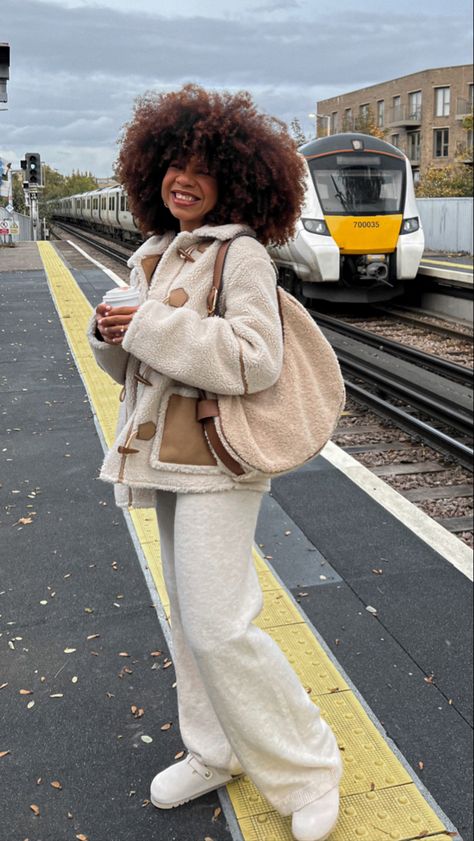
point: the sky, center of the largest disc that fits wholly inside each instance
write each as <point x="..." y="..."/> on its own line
<point x="77" y="66"/>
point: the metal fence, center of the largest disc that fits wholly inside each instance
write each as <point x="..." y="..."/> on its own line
<point x="447" y="223"/>
<point x="23" y="227"/>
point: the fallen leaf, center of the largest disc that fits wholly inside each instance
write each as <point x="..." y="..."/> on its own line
<point x="147" y="739"/>
<point x="69" y="650"/>
<point x="303" y="594"/>
<point x="153" y="654"/>
<point x="167" y="726"/>
<point x="88" y="610"/>
<point x="93" y="636"/>
<point x="26" y="692"/>
<point x="167" y="664"/>
<point x="287" y="533"/>
<point x="124" y="654"/>
<point x="429" y="679"/>
<point x="421" y="765"/>
<point x="56" y="784"/>
<point x="4" y="753"/>
<point x="30" y="705"/>
<point x="179" y="755"/>
<point x="34" y="808"/>
<point x="137" y="712"/>
<point x="3" y="685"/>
<point x="82" y="837"/>
<point x="216" y="814"/>
<point x="57" y="695"/>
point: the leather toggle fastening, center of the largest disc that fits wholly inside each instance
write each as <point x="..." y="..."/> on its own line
<point x="126" y="451"/>
<point x="184" y="253"/>
<point x="140" y="378"/>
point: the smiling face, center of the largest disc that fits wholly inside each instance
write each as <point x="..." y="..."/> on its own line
<point x="190" y="192"/>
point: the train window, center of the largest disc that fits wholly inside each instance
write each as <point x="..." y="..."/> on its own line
<point x="95" y="204"/>
<point x="111" y="202"/>
<point x="348" y="184"/>
<point x="88" y="204"/>
<point x="122" y="202"/>
<point x="103" y="203"/>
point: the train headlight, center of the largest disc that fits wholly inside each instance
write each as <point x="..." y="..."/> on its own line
<point x="410" y="225"/>
<point x="316" y="226"/>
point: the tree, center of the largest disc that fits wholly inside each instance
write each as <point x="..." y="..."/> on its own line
<point x="441" y="181"/>
<point x="365" y="124"/>
<point x="297" y="132"/>
<point x="56" y="186"/>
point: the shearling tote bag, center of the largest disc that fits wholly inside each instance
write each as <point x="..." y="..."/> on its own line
<point x="286" y="425"/>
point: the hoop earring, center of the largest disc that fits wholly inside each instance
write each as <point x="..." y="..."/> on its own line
<point x="165" y="204"/>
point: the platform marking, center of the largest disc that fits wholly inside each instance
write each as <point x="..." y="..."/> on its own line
<point x="118" y="280"/>
<point x="453" y="550"/>
<point x="466" y="266"/>
<point x="380" y="798"/>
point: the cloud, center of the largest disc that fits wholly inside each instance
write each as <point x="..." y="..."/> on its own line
<point x="76" y="70"/>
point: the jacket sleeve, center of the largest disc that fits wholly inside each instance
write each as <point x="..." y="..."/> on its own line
<point x="111" y="358"/>
<point x="238" y="354"/>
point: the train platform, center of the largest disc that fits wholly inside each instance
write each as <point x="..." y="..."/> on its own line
<point x="455" y="269"/>
<point x="368" y="598"/>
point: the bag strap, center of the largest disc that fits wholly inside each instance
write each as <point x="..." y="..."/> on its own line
<point x="213" y="297"/>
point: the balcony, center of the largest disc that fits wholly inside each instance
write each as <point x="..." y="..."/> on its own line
<point x="404" y="116"/>
<point x="464" y="108"/>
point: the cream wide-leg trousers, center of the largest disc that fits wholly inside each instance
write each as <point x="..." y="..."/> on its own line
<point x="241" y="705"/>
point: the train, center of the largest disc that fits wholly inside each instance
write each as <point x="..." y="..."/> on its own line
<point x="359" y="238"/>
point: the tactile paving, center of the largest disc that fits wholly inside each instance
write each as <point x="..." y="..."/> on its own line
<point x="379" y="802"/>
<point x="369" y="764"/>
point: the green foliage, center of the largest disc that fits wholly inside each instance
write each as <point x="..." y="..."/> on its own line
<point x="443" y="181"/>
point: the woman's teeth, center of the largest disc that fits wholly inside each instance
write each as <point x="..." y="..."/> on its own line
<point x="185" y="197"/>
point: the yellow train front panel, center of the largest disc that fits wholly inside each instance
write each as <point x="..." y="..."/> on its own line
<point x="365" y="234"/>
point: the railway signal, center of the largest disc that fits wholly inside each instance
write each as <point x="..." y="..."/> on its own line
<point x="33" y="169"/>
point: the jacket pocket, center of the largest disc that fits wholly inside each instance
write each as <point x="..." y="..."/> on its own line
<point x="182" y="440"/>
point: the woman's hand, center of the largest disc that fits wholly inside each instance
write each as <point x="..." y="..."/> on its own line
<point x="113" y="322"/>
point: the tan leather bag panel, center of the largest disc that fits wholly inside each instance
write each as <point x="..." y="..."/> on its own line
<point x="183" y="440"/>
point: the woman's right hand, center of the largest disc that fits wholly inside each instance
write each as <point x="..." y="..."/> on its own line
<point x="112" y="322"/>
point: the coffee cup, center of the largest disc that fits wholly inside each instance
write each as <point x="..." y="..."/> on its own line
<point x="121" y="296"/>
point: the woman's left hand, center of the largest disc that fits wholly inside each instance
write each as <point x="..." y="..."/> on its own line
<point x="115" y="324"/>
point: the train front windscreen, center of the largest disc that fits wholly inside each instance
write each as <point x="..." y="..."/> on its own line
<point x="351" y="184"/>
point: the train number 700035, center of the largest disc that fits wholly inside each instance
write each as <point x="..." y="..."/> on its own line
<point x="366" y="224"/>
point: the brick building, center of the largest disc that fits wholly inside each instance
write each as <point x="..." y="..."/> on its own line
<point x="421" y="113"/>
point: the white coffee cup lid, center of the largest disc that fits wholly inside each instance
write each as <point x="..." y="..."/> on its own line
<point x="119" y="296"/>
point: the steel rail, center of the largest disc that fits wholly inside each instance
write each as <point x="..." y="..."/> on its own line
<point x="110" y="252"/>
<point x="410" y="354"/>
<point x="444" y="412"/>
<point x="436" y="438"/>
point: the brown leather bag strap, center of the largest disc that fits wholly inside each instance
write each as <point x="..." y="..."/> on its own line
<point x="213" y="297"/>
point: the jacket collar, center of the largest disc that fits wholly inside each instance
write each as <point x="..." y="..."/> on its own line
<point x="157" y="245"/>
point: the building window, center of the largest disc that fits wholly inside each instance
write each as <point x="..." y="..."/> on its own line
<point x="470" y="96"/>
<point x="469" y="140"/>
<point x="333" y="122"/>
<point x="380" y="113"/>
<point x="442" y="102"/>
<point x="397" y="107"/>
<point x="414" y="105"/>
<point x="414" y="146"/>
<point x="347" y="124"/>
<point x="364" y="111"/>
<point x="396" y="140"/>
<point x="441" y="143"/>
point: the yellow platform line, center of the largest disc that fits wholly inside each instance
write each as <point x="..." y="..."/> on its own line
<point x="380" y="801"/>
<point x="465" y="266"/>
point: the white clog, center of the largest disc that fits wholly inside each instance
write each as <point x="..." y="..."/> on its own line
<point x="185" y="781"/>
<point x="318" y="819"/>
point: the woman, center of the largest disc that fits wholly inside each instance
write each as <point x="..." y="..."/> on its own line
<point x="199" y="169"/>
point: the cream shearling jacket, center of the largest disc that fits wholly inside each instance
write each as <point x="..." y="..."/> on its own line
<point x="171" y="347"/>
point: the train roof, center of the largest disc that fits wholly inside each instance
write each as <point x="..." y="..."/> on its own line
<point x="344" y="142"/>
